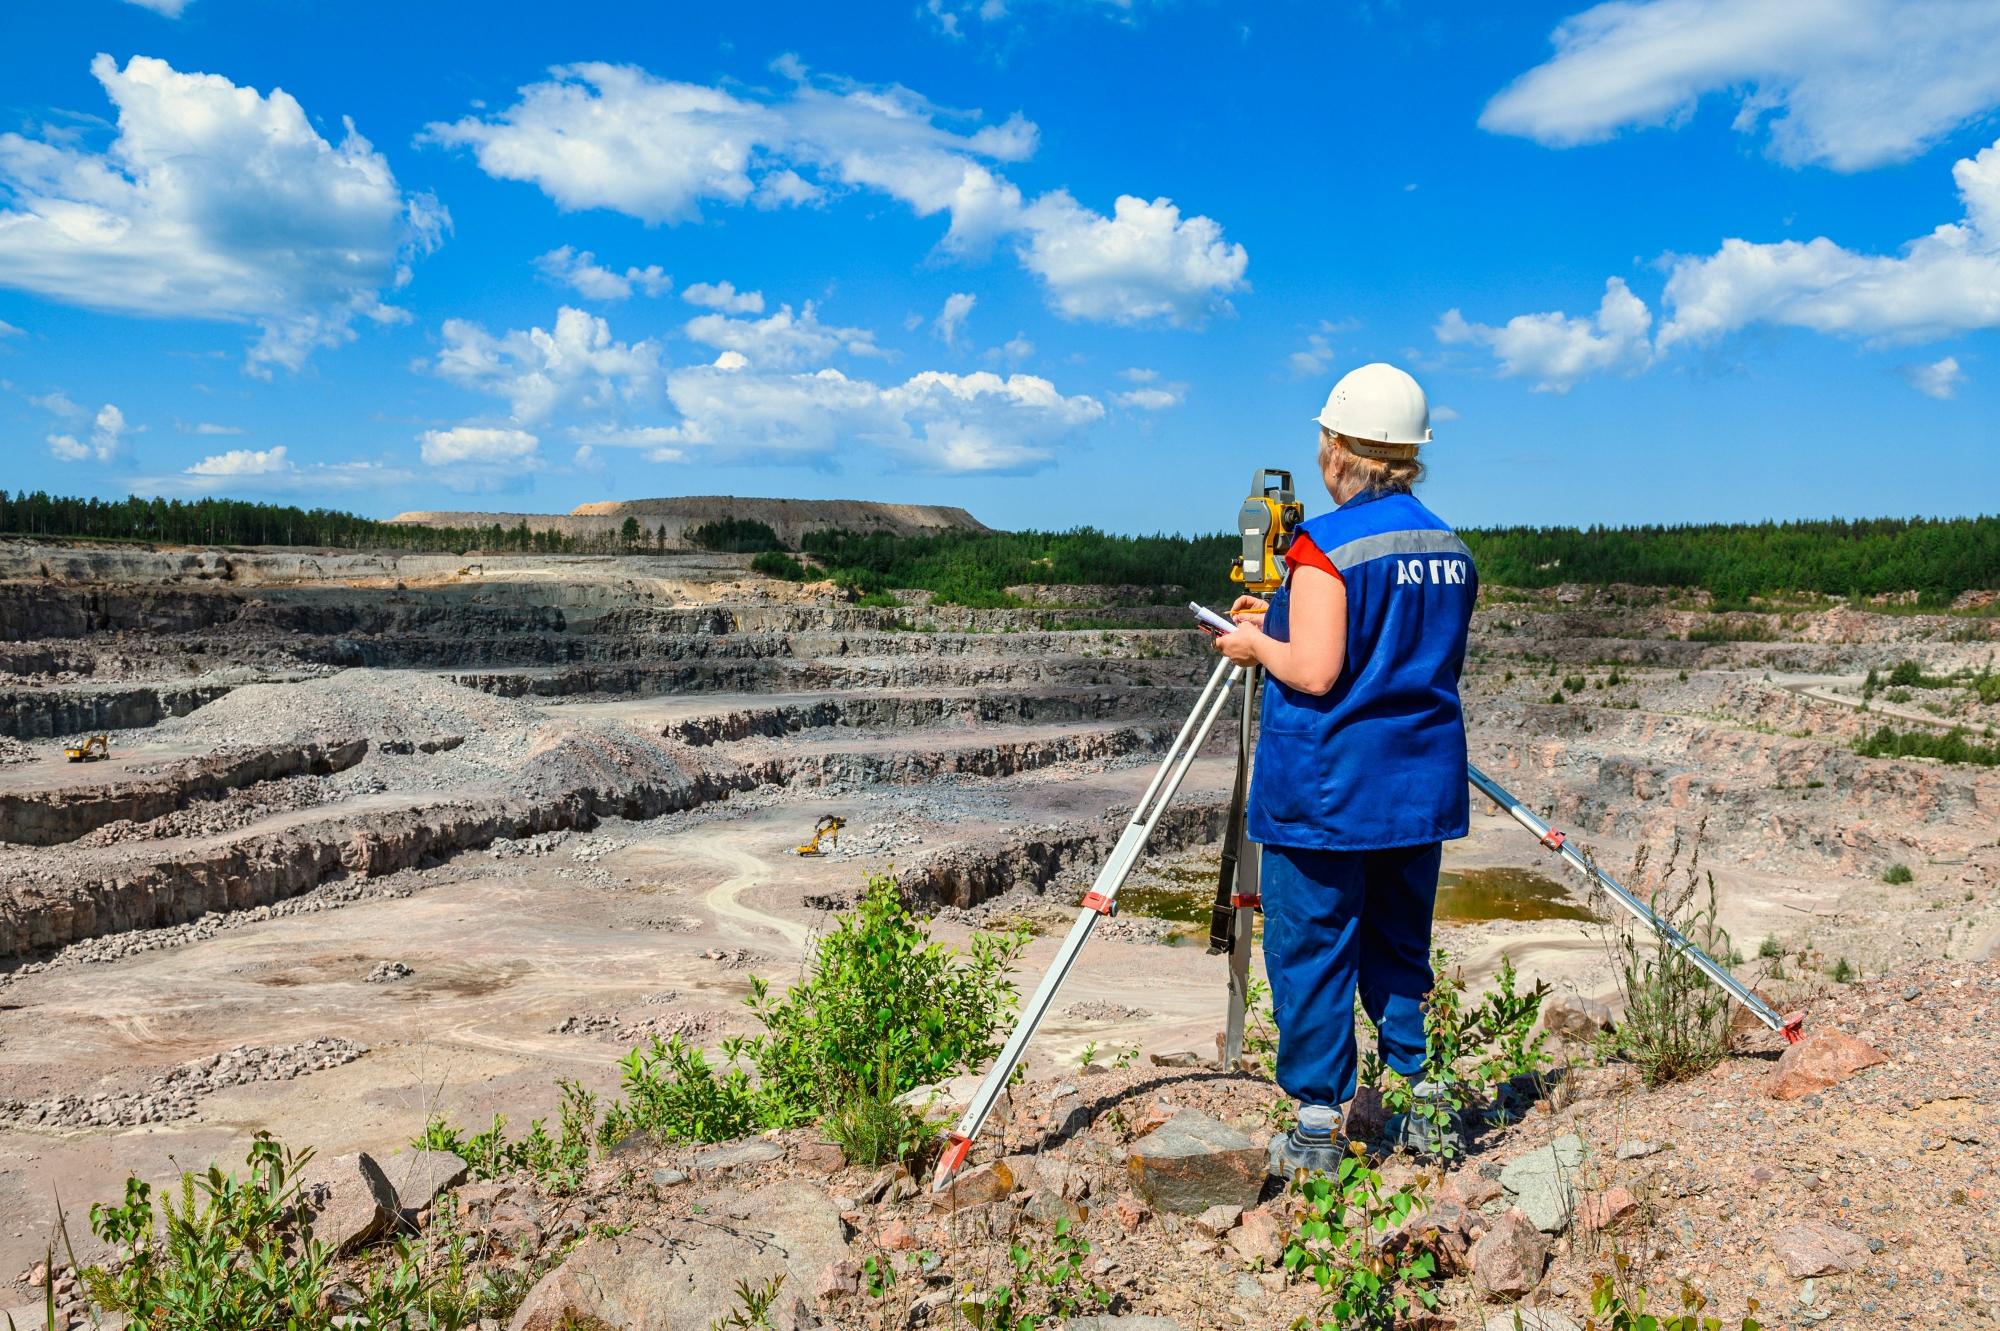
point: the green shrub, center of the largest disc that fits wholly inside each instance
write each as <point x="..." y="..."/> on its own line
<point x="1897" y="874"/>
<point x="1676" y="1021"/>
<point x="1504" y="1026"/>
<point x="1843" y="972"/>
<point x="671" y="1091"/>
<point x="1338" y="1245"/>
<point x="777" y="564"/>
<point x="880" y="990"/>
<point x="1770" y="947"/>
<point x="742" y="536"/>
<point x="237" y="1253"/>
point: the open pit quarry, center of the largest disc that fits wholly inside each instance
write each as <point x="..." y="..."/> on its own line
<point x="383" y="838"/>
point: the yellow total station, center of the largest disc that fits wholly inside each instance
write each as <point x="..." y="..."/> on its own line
<point x="1267" y="520"/>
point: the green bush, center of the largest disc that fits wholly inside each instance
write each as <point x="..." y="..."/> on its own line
<point x="1676" y="1022"/>
<point x="883" y="1010"/>
<point x="672" y="1091"/>
<point x="1843" y="972"/>
<point x="880" y="990"/>
<point x="1507" y="1043"/>
<point x="238" y="1254"/>
<point x="777" y="564"/>
<point x="1338" y="1244"/>
<point x="741" y="536"/>
<point x="1897" y="874"/>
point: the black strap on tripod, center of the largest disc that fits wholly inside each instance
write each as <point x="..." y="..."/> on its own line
<point x="1222" y="915"/>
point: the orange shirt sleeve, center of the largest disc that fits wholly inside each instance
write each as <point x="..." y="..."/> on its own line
<point x="1304" y="554"/>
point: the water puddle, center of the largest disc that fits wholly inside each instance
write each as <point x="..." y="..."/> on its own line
<point x="1464" y="896"/>
<point x="1469" y="895"/>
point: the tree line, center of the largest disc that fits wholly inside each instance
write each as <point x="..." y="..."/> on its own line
<point x="1936" y="559"/>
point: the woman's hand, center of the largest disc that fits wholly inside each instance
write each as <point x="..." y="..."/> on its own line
<point x="1240" y="645"/>
<point x="1248" y="605"/>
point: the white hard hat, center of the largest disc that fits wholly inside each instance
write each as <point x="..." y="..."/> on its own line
<point x="1378" y="404"/>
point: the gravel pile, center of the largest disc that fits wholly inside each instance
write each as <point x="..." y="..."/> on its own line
<point x="173" y="1094"/>
<point x="691" y="1027"/>
<point x="237" y="809"/>
<point x="382" y="705"/>
<point x="387" y="972"/>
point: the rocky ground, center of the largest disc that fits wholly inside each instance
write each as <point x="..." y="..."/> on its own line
<point x="382" y="837"/>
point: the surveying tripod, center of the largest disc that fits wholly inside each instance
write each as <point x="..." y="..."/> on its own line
<point x="1266" y="518"/>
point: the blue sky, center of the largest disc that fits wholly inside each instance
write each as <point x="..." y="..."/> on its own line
<point x="1059" y="261"/>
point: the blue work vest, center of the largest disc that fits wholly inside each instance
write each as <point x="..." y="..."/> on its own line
<point x="1378" y="760"/>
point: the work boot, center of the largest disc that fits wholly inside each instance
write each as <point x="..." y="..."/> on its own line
<point x="1315" y="1145"/>
<point x="1436" y="1134"/>
<point x="1313" y="1152"/>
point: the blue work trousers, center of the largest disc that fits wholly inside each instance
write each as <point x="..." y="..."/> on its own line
<point x="1335" y="920"/>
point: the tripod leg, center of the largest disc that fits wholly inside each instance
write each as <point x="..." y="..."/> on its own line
<point x="1246" y="893"/>
<point x="1097" y="903"/>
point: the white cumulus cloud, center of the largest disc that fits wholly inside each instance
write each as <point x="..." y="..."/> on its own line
<point x="932" y="421"/>
<point x="107" y="434"/>
<point x="479" y="446"/>
<point x="217" y="202"/>
<point x="1940" y="379"/>
<point x="725" y="297"/>
<point x="1945" y="281"/>
<point x="616" y="137"/>
<point x="579" y="270"/>
<point x="243" y="462"/>
<point x="1556" y="349"/>
<point x="577" y="363"/>
<point x="1941" y="284"/>
<point x="1849" y="84"/>
<point x="781" y="340"/>
<point x="952" y="317"/>
<point x="1152" y="397"/>
<point x="272" y="471"/>
<point x="169" y="8"/>
<point x="1144" y="263"/>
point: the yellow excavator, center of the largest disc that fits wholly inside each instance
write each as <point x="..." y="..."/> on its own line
<point x="95" y="749"/>
<point x="826" y="833"/>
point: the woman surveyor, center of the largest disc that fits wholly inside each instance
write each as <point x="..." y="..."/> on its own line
<point x="1360" y="763"/>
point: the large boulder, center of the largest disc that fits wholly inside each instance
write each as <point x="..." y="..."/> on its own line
<point x="419" y="1176"/>
<point x="1192" y="1162"/>
<point x="1542" y="1184"/>
<point x="1508" y="1259"/>
<point x="349" y="1199"/>
<point x="1822" y="1059"/>
<point x="1574" y="1018"/>
<point x="683" y="1271"/>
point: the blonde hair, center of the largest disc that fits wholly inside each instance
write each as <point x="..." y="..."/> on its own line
<point x="1352" y="474"/>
